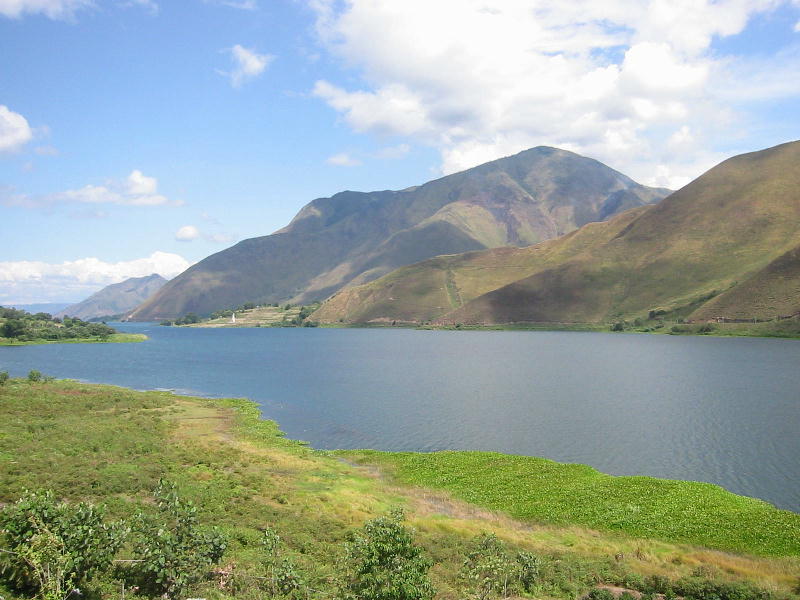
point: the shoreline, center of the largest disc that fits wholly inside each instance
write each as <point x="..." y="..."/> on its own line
<point x="541" y="490"/>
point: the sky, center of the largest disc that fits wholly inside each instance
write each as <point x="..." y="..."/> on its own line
<point x="140" y="136"/>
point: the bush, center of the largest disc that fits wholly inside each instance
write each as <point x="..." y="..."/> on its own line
<point x="173" y="550"/>
<point x="57" y="546"/>
<point x="383" y="563"/>
<point x="3" y="377"/>
<point x="489" y="569"/>
<point x="34" y="376"/>
<point x="600" y="594"/>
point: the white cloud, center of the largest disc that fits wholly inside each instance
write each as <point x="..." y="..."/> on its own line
<point x="14" y="129"/>
<point x="187" y="233"/>
<point x="34" y="281"/>
<point x="247" y="65"/>
<point x="797" y="27"/>
<point x="54" y="9"/>
<point x="137" y="189"/>
<point x="342" y="160"/>
<point x="478" y="79"/>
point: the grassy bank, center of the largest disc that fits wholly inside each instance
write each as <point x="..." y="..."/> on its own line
<point x="244" y="475"/>
<point x="114" y="338"/>
<point x="538" y="489"/>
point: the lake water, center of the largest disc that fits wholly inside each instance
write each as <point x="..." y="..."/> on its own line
<point x="722" y="410"/>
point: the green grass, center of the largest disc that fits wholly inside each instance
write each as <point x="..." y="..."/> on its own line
<point x="542" y="490"/>
<point x="114" y="338"/>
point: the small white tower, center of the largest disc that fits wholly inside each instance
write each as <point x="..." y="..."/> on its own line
<point x="233" y="317"/>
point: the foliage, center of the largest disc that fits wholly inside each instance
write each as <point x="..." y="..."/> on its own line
<point x="173" y="550"/>
<point x="23" y="326"/>
<point x="187" y="319"/>
<point x="488" y="568"/>
<point x="282" y="577"/>
<point x="56" y="545"/>
<point x="3" y="377"/>
<point x="382" y="562"/>
<point x="34" y="376"/>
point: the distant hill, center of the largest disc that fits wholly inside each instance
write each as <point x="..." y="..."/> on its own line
<point x="725" y="246"/>
<point x="355" y="237"/>
<point x="115" y="299"/>
<point x="45" y="307"/>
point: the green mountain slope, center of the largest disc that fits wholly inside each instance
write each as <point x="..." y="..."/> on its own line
<point x="116" y="299"/>
<point x="718" y="236"/>
<point x="355" y="237"/>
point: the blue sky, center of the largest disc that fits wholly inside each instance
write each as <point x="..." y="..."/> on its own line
<point x="143" y="135"/>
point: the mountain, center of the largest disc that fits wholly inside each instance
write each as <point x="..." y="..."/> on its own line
<point x="116" y="299"/>
<point x="354" y="237"/>
<point x="726" y="245"/>
<point x="45" y="307"/>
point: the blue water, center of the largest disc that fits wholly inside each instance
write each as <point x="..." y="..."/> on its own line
<point x="722" y="410"/>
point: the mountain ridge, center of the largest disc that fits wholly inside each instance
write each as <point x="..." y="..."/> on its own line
<point x="115" y="299"/>
<point x="726" y="227"/>
<point x="356" y="237"/>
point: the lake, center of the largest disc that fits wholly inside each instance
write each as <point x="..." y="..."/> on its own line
<point x="721" y="410"/>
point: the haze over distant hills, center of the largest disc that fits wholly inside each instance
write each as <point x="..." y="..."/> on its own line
<point x="355" y="237"/>
<point x="115" y="299"/>
<point x="726" y="245"/>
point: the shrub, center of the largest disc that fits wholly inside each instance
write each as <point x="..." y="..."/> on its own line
<point x="600" y="594"/>
<point x="34" y="376"/>
<point x="56" y="545"/>
<point x="3" y="377"/>
<point x="172" y="549"/>
<point x="383" y="563"/>
<point x="488" y="568"/>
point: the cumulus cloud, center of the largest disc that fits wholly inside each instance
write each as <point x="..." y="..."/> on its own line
<point x="187" y="233"/>
<point x="247" y="65"/>
<point x="479" y="79"/>
<point x="137" y="189"/>
<point x="343" y="159"/>
<point x="34" y="281"/>
<point x="54" y="9"/>
<point x="14" y="129"/>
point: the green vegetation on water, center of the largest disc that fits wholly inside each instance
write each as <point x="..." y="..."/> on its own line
<point x="543" y="490"/>
<point x="293" y="522"/>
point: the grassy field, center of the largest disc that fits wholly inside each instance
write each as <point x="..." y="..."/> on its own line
<point x="114" y="338"/>
<point x="111" y="445"/>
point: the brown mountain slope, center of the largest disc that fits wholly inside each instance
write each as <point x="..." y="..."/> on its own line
<point x="709" y="237"/>
<point x="356" y="237"/>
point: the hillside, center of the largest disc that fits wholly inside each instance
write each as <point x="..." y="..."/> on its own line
<point x="115" y="299"/>
<point x="355" y="237"/>
<point x="711" y="244"/>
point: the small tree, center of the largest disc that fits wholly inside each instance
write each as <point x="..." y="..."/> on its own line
<point x="34" y="376"/>
<point x="3" y="377"/>
<point x="383" y="563"/>
<point x="172" y="549"/>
